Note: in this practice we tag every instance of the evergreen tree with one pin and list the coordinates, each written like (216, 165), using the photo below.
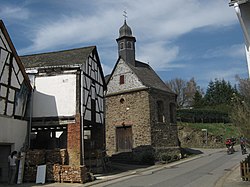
(219, 92)
(198, 100)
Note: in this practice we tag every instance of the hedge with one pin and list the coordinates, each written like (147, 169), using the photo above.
(202, 116)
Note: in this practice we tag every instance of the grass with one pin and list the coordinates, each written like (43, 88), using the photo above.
(217, 129)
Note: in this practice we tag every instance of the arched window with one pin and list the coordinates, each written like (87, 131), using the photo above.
(121, 45)
(160, 111)
(129, 45)
(172, 112)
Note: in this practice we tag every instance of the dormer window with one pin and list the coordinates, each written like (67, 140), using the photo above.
(122, 79)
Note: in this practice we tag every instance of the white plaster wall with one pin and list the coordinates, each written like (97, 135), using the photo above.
(55, 96)
(13, 132)
(131, 80)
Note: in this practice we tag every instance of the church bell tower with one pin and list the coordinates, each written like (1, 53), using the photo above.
(126, 44)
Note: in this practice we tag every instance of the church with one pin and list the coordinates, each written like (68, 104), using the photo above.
(140, 109)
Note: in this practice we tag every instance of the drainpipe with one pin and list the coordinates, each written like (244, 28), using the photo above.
(81, 114)
(30, 117)
(31, 74)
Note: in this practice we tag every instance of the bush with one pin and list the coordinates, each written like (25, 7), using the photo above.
(166, 158)
(147, 158)
(144, 154)
(202, 116)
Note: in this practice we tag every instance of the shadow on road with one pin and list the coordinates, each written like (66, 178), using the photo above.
(190, 151)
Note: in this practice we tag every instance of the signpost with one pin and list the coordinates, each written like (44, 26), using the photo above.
(205, 132)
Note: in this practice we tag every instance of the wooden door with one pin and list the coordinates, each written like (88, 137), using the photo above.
(124, 139)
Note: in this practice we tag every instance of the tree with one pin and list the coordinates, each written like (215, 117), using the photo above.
(219, 92)
(244, 88)
(178, 85)
(190, 91)
(240, 114)
(198, 100)
(185, 91)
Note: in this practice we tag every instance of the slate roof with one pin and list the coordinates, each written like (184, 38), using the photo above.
(148, 76)
(58, 58)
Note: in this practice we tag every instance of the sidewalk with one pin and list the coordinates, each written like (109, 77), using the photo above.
(232, 179)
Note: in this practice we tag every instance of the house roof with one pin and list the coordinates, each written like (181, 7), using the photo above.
(13, 50)
(58, 58)
(62, 58)
(148, 76)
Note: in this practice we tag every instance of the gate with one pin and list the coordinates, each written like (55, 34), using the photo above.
(245, 169)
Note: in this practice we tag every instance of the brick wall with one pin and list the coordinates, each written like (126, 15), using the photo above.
(74, 142)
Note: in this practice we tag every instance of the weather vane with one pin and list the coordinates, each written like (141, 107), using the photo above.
(125, 15)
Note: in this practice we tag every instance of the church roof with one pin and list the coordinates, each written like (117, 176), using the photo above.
(58, 58)
(148, 76)
(125, 30)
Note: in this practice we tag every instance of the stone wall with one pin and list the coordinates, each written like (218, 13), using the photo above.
(164, 134)
(129, 109)
(139, 110)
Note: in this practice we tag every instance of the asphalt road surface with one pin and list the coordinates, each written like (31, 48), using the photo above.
(202, 172)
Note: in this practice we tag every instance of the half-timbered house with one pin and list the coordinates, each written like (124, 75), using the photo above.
(68, 102)
(140, 109)
(15, 89)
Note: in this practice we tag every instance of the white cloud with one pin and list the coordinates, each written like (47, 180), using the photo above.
(170, 19)
(156, 21)
(158, 55)
(155, 24)
(13, 12)
(227, 74)
(234, 51)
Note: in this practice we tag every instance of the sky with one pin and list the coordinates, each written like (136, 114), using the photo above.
(179, 39)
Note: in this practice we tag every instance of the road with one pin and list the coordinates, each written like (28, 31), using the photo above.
(202, 172)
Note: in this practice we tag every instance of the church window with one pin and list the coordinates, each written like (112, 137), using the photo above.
(129, 45)
(121, 45)
(160, 111)
(172, 109)
(122, 79)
